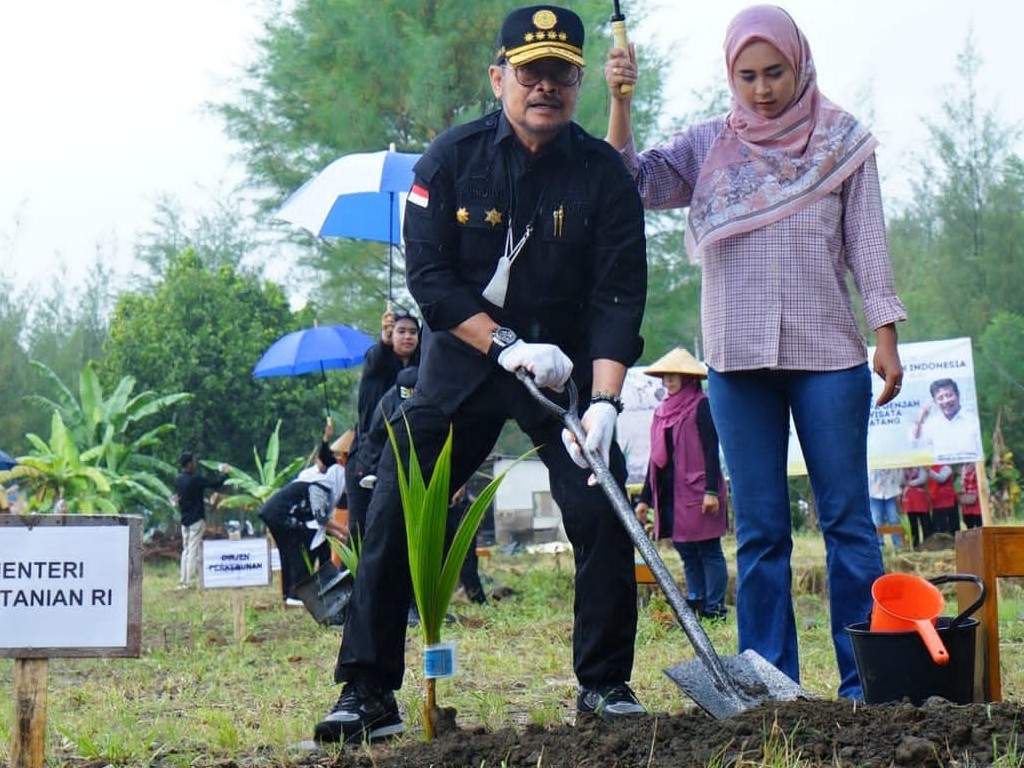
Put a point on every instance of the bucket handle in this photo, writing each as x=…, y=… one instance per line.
x=953, y=577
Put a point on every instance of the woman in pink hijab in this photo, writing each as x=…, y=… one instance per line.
x=784, y=206
x=684, y=483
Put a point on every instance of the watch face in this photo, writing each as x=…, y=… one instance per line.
x=503, y=336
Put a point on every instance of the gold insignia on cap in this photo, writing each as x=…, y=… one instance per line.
x=562, y=36
x=544, y=19
x=528, y=37
x=462, y=216
x=493, y=217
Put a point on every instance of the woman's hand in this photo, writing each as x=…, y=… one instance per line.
x=640, y=511
x=619, y=70
x=887, y=364
x=710, y=504
x=387, y=325
x=337, y=530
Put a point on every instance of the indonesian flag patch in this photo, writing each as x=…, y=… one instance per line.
x=419, y=196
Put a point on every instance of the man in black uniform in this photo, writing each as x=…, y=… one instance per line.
x=524, y=249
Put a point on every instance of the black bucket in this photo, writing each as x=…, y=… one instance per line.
x=897, y=665
x=326, y=593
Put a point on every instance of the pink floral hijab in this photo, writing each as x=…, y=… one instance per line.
x=761, y=170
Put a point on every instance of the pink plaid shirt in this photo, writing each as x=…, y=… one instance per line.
x=777, y=297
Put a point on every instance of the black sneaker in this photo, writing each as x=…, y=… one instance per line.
x=363, y=712
x=609, y=702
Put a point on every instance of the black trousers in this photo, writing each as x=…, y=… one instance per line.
x=358, y=501
x=292, y=536
x=946, y=519
x=920, y=527
x=469, y=574
x=605, y=606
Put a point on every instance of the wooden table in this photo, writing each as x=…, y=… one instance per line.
x=990, y=552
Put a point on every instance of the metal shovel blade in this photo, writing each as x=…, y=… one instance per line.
x=752, y=680
x=720, y=686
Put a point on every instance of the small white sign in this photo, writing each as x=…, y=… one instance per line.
x=240, y=563
x=64, y=586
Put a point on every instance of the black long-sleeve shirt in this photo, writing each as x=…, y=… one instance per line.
x=580, y=282
x=189, y=488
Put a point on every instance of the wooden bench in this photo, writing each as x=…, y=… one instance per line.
x=891, y=530
x=990, y=552
x=644, y=576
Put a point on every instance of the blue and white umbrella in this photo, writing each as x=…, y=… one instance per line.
x=314, y=349
x=361, y=195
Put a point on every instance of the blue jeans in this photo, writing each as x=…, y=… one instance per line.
x=707, y=575
x=885, y=512
x=751, y=410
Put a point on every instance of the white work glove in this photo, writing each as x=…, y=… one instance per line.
x=549, y=365
x=368, y=482
x=599, y=424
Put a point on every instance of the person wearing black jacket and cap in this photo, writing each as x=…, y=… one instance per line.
x=525, y=250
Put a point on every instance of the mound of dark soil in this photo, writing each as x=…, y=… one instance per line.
x=805, y=733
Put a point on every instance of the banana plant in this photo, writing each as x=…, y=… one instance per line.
x=252, y=491
x=435, y=572
x=55, y=469
x=105, y=430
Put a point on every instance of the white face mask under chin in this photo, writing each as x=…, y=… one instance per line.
x=497, y=287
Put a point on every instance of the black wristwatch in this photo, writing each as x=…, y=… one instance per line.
x=501, y=339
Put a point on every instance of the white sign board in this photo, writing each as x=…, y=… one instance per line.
x=66, y=585
x=236, y=563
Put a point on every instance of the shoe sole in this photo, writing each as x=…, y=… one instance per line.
x=328, y=732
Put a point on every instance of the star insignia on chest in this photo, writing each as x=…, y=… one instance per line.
x=462, y=216
x=493, y=217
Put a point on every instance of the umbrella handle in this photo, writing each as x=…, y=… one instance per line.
x=323, y=377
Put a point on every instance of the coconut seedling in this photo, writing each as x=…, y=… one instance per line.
x=434, y=571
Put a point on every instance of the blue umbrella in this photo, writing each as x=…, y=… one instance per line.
x=7, y=461
x=361, y=195
x=314, y=349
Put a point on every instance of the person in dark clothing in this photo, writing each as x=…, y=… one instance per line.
x=398, y=348
x=469, y=575
x=524, y=249
x=376, y=437
x=189, y=490
x=290, y=512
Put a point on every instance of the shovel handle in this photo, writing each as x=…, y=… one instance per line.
x=955, y=577
x=689, y=622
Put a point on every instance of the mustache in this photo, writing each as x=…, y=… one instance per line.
x=545, y=101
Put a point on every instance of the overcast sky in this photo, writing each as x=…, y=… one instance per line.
x=104, y=100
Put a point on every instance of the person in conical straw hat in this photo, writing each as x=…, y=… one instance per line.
x=684, y=484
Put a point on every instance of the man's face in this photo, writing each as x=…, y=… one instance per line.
x=948, y=401
x=539, y=97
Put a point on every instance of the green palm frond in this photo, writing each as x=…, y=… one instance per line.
x=435, y=573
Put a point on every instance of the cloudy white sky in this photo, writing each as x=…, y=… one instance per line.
x=104, y=100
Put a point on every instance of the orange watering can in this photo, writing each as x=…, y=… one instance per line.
x=904, y=602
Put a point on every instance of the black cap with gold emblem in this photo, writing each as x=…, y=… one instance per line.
x=540, y=31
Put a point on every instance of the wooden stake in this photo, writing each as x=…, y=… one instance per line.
x=238, y=602
x=28, y=747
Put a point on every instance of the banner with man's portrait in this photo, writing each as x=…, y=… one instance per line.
x=933, y=420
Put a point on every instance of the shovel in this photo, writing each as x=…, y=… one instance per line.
x=720, y=686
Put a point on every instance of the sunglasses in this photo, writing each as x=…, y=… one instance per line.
x=562, y=73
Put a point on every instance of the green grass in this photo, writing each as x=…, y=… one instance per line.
x=199, y=694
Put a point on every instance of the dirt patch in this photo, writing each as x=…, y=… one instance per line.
x=806, y=733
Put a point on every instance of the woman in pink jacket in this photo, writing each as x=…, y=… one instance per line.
x=684, y=482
